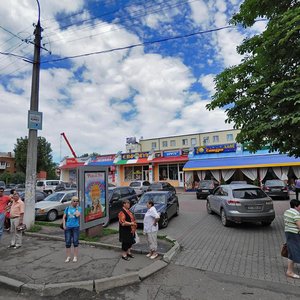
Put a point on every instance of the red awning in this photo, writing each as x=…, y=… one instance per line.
x=170, y=159
x=71, y=166
x=143, y=161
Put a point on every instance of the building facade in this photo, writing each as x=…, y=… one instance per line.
x=7, y=162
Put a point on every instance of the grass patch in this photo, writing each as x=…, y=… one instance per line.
x=108, y=231
x=83, y=237
x=49, y=224
x=35, y=228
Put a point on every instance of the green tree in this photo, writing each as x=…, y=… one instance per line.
x=44, y=157
x=261, y=95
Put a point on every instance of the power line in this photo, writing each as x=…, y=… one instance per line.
x=139, y=44
x=138, y=14
x=16, y=55
x=15, y=35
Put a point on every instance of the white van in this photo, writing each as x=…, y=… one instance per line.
x=47, y=186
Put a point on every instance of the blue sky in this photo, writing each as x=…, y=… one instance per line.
x=155, y=90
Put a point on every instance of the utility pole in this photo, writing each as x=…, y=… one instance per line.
x=31, y=165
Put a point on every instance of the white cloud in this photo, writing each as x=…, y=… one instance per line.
x=208, y=83
x=200, y=13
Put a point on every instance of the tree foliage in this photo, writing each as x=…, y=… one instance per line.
x=44, y=156
x=261, y=95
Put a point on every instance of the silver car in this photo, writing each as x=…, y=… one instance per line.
x=140, y=186
x=54, y=205
x=241, y=203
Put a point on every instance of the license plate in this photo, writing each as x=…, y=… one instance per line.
x=276, y=190
x=205, y=191
x=254, y=207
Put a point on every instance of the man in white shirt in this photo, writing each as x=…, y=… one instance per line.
x=151, y=219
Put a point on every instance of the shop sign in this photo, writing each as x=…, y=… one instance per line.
x=71, y=161
x=103, y=158
x=215, y=149
x=185, y=152
x=171, y=153
x=158, y=154
x=135, y=155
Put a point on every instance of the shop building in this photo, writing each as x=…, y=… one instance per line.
x=7, y=162
x=68, y=168
x=227, y=162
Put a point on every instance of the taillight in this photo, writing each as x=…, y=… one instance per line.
x=266, y=188
x=285, y=188
x=234, y=202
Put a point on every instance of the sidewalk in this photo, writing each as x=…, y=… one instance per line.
x=39, y=264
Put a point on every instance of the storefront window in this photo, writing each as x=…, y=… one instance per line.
x=128, y=173
x=173, y=172
x=163, y=172
x=138, y=172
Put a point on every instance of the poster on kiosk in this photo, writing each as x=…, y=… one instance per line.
x=92, y=191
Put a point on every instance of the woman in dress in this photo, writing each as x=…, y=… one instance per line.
x=127, y=229
x=151, y=219
x=292, y=233
x=71, y=223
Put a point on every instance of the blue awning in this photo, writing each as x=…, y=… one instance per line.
x=239, y=162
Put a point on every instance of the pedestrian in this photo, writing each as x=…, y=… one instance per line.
x=151, y=219
x=7, y=211
x=297, y=188
x=127, y=229
x=71, y=224
x=16, y=219
x=4, y=200
x=292, y=229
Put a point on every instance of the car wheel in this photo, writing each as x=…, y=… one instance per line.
x=52, y=215
x=177, y=211
x=266, y=223
x=164, y=221
x=224, y=219
x=208, y=208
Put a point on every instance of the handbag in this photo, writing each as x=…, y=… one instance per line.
x=136, y=238
x=21, y=227
x=284, y=250
x=62, y=223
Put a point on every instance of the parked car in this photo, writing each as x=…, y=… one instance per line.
x=39, y=196
x=2, y=184
x=47, y=186
x=54, y=205
x=162, y=186
x=205, y=188
x=165, y=202
x=140, y=186
x=65, y=186
x=241, y=203
x=116, y=195
x=276, y=188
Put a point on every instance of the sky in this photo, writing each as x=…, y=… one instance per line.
x=153, y=90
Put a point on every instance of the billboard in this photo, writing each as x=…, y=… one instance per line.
x=93, y=183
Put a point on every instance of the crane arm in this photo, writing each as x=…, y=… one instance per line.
x=68, y=143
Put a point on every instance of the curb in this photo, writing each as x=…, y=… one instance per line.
x=96, y=285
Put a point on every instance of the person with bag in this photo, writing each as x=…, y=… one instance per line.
x=127, y=229
x=4, y=200
x=16, y=219
x=292, y=234
x=151, y=219
x=71, y=224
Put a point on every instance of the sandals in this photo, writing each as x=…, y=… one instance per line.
x=153, y=256
x=67, y=259
x=130, y=255
x=294, y=276
x=125, y=258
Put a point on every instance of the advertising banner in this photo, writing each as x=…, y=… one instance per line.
x=215, y=149
x=93, y=183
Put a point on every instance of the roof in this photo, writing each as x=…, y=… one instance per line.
x=72, y=166
x=170, y=159
x=240, y=162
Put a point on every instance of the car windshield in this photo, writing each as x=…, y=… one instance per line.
x=274, y=183
x=206, y=184
x=55, y=197
x=156, y=198
x=249, y=194
x=135, y=184
x=40, y=183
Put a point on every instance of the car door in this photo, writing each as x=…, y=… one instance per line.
x=65, y=202
x=115, y=203
x=213, y=199
x=171, y=204
x=221, y=197
x=132, y=196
